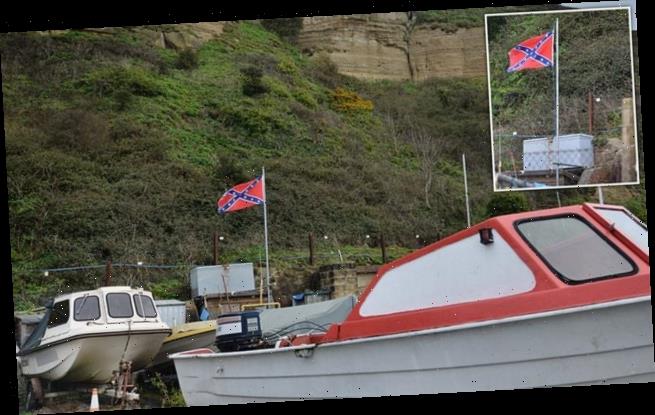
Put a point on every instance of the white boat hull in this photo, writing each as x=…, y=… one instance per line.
x=92, y=359
x=597, y=344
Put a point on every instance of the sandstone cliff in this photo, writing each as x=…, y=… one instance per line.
x=393, y=46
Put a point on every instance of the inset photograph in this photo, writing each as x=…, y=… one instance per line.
x=562, y=100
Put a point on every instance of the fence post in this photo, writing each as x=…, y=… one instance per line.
x=215, y=248
x=107, y=281
x=311, y=249
x=383, y=248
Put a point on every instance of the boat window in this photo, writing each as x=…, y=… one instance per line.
x=59, y=314
x=119, y=305
x=460, y=272
x=574, y=250
x=627, y=225
x=86, y=308
x=144, y=306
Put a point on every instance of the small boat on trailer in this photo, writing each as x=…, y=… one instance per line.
x=187, y=336
x=84, y=336
x=554, y=297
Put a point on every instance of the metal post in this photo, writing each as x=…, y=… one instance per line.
x=268, y=273
x=557, y=98
x=601, y=200
x=466, y=193
x=383, y=248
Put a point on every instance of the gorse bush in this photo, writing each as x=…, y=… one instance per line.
x=345, y=100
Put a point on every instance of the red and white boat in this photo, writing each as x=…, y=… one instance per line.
x=553, y=297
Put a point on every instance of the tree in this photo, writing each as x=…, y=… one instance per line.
x=429, y=151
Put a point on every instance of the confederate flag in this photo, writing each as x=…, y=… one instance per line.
x=534, y=53
x=242, y=196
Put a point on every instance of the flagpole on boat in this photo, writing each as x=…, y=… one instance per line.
x=268, y=273
x=557, y=99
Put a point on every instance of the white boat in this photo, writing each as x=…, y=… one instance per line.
x=84, y=335
x=555, y=297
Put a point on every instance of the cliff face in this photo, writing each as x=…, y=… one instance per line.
x=393, y=46
x=367, y=46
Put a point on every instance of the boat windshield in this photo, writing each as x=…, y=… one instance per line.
x=628, y=225
x=574, y=250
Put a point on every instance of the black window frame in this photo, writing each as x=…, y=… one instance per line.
x=136, y=308
x=83, y=299
x=569, y=281
x=129, y=302
x=53, y=311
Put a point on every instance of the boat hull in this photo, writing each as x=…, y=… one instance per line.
x=597, y=344
x=194, y=341
x=92, y=358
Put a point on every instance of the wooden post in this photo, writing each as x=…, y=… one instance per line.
x=311, y=249
x=107, y=281
x=383, y=248
x=590, y=110
x=215, y=248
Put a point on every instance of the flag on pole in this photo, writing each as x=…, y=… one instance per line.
x=534, y=53
x=242, y=196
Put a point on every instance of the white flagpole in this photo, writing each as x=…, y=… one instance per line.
x=466, y=192
x=268, y=273
x=557, y=99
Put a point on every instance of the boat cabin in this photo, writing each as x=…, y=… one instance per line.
x=70, y=314
x=506, y=266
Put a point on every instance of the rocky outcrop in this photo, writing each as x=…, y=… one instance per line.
x=369, y=46
x=438, y=54
x=180, y=36
x=393, y=46
x=192, y=35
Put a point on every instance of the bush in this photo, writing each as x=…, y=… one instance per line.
x=345, y=100
x=187, y=59
x=286, y=28
x=76, y=130
x=252, y=83
x=506, y=203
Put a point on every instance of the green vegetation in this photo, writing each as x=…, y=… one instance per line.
x=117, y=149
x=171, y=396
x=453, y=19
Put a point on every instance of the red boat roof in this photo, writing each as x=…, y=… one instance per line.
x=475, y=276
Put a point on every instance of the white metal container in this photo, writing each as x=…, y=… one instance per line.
x=575, y=150
x=536, y=155
x=219, y=279
x=172, y=312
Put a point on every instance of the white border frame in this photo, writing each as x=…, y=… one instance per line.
x=634, y=98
